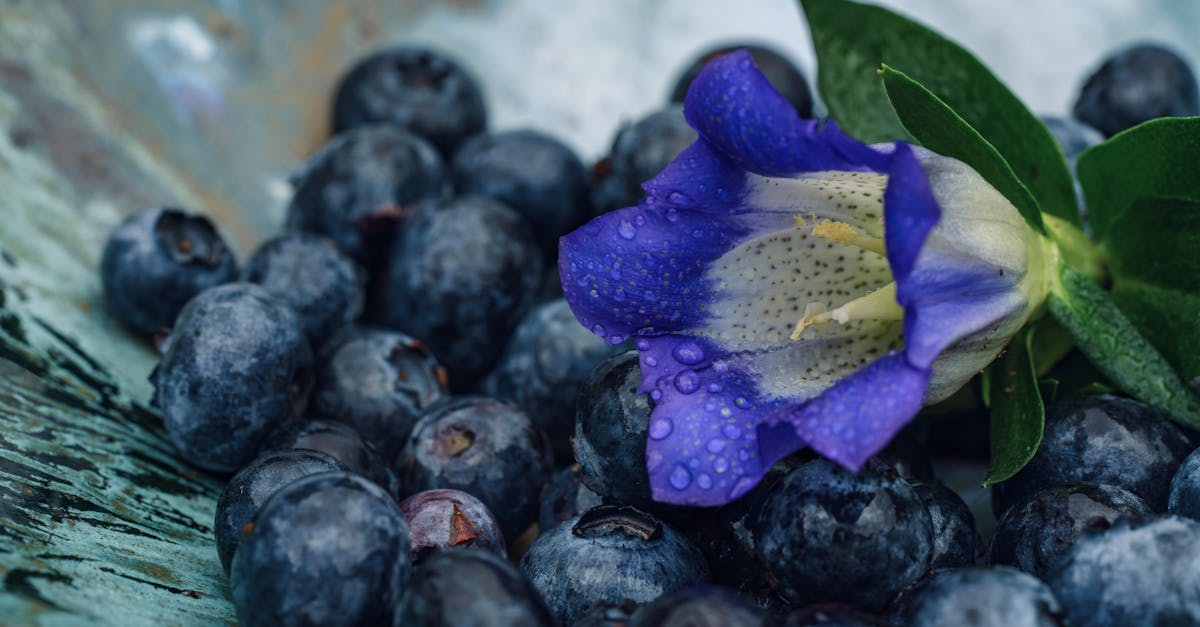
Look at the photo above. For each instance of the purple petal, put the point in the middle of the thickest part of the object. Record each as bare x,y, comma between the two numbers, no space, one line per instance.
702,447
735,108
700,179
858,416
910,212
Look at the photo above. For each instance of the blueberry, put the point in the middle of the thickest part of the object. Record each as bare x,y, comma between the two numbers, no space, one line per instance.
608,556
549,358
1136,573
831,615
699,606
1136,84
538,176
307,272
484,447
985,597
1184,498
245,494
440,520
827,534
607,616
460,278
1072,135
417,89
329,549
236,366
470,588
639,152
362,185
610,431
1101,439
157,260
379,382
783,74
566,497
955,540
341,442
1036,534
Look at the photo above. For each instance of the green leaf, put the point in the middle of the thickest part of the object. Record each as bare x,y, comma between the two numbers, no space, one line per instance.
937,127
1018,415
1168,317
1115,346
852,40
1048,388
1156,159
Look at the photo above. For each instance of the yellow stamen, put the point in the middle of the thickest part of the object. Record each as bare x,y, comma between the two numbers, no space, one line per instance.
800,221
878,305
846,235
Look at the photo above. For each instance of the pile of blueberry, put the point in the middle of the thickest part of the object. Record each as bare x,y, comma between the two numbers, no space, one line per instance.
418,432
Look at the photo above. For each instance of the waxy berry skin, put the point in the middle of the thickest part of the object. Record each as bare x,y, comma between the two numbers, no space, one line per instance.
329,549
1137,84
1184,498
416,89
246,493
699,606
610,431
157,260
955,539
379,382
441,520
608,556
984,597
470,587
236,366
338,440
361,188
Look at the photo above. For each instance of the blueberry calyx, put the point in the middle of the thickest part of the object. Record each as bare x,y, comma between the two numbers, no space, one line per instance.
188,239
611,519
462,530
379,226
455,439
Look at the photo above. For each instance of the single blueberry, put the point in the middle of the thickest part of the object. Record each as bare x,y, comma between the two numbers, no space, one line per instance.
416,89
338,440
1136,84
604,615
827,534
610,431
955,539
1139,572
831,615
244,495
548,360
639,152
1036,534
484,447
470,588
157,260
699,606
460,277
785,77
538,176
329,549
608,556
236,366
379,382
440,520
1101,439
362,185
307,272
985,597
1184,499
566,497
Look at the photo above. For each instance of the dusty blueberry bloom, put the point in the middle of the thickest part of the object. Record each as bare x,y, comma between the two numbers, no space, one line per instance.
773,308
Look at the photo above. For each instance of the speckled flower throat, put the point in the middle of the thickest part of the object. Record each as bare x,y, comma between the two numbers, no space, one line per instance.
821,292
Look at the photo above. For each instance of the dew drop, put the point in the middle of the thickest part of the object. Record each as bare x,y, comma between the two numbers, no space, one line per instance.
741,402
710,406
649,360
715,445
656,395
639,220
615,339
680,477
654,459
694,463
599,329
697,234
714,387
704,481
720,464
615,273
660,428
687,382
688,353
731,431
678,198
672,215
643,344
744,455
626,230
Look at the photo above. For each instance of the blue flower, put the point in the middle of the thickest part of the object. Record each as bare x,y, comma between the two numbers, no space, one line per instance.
772,308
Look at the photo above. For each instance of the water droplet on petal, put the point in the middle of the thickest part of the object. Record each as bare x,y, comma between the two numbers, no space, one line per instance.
639,220
615,339
654,459
626,230
643,344
694,463
697,234
720,464
715,445
688,353
731,431
656,395
678,198
714,388
741,402
687,382
680,477
704,481
599,329
649,360
660,428
615,273
672,215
